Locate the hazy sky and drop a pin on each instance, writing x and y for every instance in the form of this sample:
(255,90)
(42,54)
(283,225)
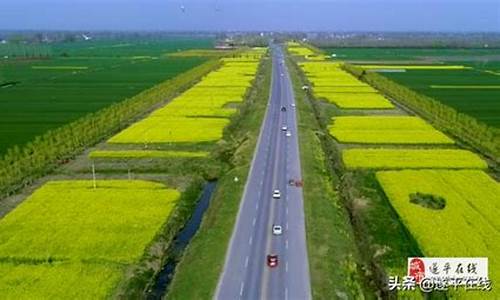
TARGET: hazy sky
(341,15)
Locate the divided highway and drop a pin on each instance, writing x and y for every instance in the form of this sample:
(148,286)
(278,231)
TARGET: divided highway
(246,274)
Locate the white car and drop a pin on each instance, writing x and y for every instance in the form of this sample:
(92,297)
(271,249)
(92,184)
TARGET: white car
(284,128)
(288,134)
(277,230)
(293,104)
(276,194)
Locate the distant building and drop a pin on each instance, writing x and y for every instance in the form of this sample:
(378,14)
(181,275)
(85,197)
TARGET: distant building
(224,47)
(227,44)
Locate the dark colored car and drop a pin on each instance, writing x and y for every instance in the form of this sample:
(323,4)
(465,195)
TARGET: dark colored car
(272,260)
(283,108)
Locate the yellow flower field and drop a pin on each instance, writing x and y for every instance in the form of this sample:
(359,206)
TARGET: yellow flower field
(145,154)
(72,220)
(60,280)
(468,225)
(200,113)
(333,84)
(386,130)
(70,241)
(356,100)
(411,159)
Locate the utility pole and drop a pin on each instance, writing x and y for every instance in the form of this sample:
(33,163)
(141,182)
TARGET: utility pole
(93,176)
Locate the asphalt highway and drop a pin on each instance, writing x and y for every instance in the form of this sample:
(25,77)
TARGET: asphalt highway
(276,160)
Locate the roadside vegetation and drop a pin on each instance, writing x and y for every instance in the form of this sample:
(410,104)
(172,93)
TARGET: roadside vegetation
(333,256)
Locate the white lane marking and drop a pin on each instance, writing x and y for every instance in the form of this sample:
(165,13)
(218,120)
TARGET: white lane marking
(286,266)
(257,206)
(241,288)
(251,239)
(246,263)
(254,220)
(286,225)
(286,244)
(286,293)
(287,210)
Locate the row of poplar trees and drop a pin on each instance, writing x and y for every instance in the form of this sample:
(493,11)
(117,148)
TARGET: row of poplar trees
(20,166)
(477,134)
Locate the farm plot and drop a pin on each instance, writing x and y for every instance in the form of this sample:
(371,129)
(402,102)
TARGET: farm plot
(201,113)
(71,220)
(411,159)
(58,280)
(414,67)
(299,50)
(146,154)
(467,226)
(385,130)
(37,95)
(469,91)
(330,82)
(68,237)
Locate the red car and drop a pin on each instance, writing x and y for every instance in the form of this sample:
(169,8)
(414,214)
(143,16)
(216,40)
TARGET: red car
(272,260)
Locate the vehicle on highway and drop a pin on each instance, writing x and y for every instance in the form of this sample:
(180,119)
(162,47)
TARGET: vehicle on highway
(288,134)
(283,108)
(277,230)
(284,128)
(293,104)
(272,260)
(276,194)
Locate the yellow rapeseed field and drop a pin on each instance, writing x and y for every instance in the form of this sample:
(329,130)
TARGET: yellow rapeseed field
(69,240)
(468,225)
(201,113)
(333,84)
(145,154)
(386,130)
(412,159)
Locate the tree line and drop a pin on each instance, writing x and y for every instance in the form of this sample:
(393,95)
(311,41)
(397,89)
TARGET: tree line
(20,166)
(481,136)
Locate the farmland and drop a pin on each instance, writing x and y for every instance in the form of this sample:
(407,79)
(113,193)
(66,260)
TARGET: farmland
(81,78)
(113,239)
(145,154)
(468,226)
(385,130)
(469,91)
(411,159)
(201,113)
(383,158)
(330,82)
(68,226)
(51,281)
(471,75)
(417,55)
